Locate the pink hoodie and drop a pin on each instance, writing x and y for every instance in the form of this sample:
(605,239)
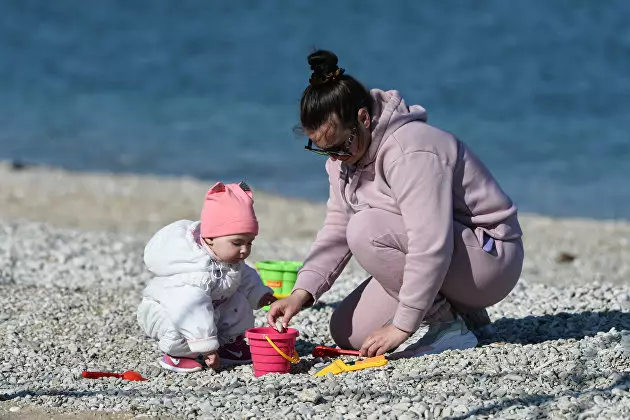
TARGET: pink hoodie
(424,174)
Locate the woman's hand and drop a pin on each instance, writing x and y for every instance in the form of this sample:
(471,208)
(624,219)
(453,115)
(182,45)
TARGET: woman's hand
(286,308)
(212,360)
(382,340)
(267,299)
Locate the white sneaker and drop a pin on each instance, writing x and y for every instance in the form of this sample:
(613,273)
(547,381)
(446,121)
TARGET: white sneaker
(444,335)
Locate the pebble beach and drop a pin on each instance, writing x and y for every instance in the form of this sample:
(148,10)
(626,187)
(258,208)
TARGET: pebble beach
(71,275)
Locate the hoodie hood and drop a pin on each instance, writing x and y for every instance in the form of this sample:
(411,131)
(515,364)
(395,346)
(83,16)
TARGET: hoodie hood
(389,113)
(174,249)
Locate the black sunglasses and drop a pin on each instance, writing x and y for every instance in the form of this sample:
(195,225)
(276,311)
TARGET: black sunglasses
(341,150)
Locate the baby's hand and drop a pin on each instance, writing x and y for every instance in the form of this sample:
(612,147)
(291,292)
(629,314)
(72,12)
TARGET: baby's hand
(267,299)
(212,360)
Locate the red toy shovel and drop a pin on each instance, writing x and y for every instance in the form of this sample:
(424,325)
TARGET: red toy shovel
(130,375)
(323,351)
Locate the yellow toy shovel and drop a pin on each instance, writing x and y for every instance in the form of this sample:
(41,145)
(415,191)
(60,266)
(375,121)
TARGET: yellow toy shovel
(338,366)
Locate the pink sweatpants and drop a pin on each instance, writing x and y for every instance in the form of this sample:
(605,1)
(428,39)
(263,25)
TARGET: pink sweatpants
(378,240)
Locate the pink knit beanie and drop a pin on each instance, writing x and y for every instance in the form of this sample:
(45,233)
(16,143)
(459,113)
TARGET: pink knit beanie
(228,210)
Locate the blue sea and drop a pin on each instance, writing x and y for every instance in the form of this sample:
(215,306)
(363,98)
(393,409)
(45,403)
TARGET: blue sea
(540,89)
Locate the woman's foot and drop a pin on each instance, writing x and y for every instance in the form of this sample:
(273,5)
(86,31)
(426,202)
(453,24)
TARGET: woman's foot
(475,318)
(478,321)
(440,336)
(180,364)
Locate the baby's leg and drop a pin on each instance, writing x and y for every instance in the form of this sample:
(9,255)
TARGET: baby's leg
(235,316)
(156,324)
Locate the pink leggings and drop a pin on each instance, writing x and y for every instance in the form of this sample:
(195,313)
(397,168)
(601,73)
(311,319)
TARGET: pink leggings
(476,278)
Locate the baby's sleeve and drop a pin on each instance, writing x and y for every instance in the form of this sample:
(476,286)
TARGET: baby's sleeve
(252,286)
(192,314)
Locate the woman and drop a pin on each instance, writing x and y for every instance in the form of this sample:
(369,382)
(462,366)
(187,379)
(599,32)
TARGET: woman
(416,208)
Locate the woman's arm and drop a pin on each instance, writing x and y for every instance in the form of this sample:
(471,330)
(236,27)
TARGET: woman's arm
(422,186)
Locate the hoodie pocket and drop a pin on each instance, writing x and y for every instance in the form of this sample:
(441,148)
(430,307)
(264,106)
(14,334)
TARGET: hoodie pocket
(475,238)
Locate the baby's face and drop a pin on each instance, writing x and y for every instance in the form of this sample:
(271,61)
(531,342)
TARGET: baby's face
(232,248)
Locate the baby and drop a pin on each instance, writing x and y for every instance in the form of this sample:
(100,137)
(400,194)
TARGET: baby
(202,297)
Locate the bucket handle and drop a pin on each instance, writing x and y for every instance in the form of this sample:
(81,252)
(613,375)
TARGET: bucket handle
(294,359)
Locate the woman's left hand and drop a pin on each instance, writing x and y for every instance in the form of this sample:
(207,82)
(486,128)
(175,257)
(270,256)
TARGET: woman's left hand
(382,340)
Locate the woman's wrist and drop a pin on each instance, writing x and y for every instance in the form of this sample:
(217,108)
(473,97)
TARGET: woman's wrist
(303,296)
(402,329)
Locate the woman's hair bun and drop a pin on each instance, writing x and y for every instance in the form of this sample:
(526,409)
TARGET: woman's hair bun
(324,66)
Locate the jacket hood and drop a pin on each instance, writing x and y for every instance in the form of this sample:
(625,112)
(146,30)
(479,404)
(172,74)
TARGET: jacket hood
(174,249)
(389,113)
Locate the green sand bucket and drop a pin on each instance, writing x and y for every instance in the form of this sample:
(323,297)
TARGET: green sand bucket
(279,275)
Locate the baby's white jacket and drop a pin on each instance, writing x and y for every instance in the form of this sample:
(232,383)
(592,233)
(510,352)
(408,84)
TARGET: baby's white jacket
(189,282)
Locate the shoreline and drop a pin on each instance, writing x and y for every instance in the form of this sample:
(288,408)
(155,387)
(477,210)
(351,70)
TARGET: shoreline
(558,250)
(131,203)
(22,181)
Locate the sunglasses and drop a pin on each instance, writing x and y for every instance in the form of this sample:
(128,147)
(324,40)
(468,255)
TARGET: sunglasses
(339,151)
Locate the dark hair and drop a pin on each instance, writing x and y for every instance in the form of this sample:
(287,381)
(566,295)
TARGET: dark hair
(331,91)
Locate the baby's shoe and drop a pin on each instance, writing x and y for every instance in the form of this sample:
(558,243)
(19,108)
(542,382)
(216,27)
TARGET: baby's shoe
(180,364)
(236,352)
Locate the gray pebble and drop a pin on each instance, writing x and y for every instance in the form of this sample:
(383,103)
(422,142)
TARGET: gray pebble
(309,395)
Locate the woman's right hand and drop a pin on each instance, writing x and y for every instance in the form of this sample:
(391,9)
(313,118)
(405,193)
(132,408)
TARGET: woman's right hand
(286,308)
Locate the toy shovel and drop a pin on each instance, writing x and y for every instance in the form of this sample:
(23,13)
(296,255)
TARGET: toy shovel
(338,366)
(324,351)
(130,375)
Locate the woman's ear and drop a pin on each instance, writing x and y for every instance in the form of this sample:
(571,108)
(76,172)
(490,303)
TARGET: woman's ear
(364,118)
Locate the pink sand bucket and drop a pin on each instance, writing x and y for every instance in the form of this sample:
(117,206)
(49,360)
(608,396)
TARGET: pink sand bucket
(272,352)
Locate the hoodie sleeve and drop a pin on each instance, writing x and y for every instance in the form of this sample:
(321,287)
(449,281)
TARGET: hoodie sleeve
(191,311)
(422,186)
(330,252)
(252,286)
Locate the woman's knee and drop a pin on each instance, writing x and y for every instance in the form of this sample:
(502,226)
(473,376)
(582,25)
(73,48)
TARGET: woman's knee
(371,230)
(342,322)
(359,230)
(378,241)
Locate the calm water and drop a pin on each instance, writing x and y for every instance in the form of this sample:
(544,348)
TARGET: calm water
(539,89)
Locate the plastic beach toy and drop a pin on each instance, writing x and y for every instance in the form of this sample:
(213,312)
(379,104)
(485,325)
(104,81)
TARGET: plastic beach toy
(272,352)
(130,375)
(323,351)
(338,366)
(279,275)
